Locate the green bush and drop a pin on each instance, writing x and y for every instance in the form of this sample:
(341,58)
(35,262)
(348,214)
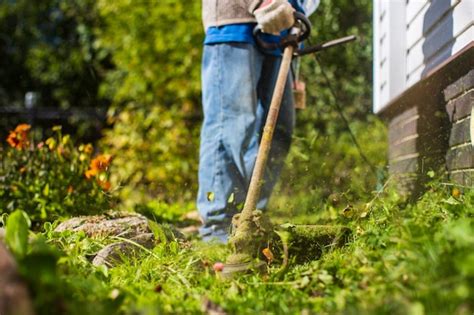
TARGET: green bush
(156,50)
(52,179)
(155,152)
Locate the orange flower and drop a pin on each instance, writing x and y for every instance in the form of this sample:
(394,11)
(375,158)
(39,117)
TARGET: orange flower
(18,138)
(70,189)
(101,162)
(98,165)
(105,185)
(22,128)
(90,173)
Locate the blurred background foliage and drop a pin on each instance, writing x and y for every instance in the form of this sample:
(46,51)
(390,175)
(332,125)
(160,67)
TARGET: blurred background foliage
(49,46)
(155,93)
(324,164)
(141,60)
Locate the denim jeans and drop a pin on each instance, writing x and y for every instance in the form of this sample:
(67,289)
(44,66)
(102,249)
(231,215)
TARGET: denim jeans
(238,83)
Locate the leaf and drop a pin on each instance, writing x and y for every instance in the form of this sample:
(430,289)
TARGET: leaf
(451,201)
(17,230)
(287,226)
(304,282)
(210,196)
(231,198)
(268,254)
(46,190)
(456,193)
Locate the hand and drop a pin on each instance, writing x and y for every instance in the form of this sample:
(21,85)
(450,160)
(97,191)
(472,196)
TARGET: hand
(274,16)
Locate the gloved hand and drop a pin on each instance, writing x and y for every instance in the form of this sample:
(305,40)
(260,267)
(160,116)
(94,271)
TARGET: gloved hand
(274,16)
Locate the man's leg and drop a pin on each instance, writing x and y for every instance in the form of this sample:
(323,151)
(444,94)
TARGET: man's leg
(230,75)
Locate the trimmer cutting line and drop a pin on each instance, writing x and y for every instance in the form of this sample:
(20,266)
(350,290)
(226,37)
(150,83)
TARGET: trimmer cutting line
(252,228)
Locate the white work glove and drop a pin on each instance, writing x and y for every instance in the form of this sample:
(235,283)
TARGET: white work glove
(274,16)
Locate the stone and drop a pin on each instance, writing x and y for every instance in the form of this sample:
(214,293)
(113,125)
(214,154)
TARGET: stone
(123,224)
(132,233)
(116,253)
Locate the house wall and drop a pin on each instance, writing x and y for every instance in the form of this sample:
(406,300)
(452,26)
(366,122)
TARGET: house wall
(459,98)
(411,37)
(430,126)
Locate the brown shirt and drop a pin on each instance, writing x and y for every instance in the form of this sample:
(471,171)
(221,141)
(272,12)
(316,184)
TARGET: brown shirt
(223,12)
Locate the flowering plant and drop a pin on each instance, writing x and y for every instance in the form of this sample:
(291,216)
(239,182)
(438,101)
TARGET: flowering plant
(52,178)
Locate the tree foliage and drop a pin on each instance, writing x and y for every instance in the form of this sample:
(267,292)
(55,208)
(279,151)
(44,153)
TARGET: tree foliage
(48,46)
(156,49)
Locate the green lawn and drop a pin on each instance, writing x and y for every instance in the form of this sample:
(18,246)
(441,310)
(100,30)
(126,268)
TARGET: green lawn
(400,259)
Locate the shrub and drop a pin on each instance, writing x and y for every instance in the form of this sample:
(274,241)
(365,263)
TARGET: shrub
(155,153)
(155,86)
(53,178)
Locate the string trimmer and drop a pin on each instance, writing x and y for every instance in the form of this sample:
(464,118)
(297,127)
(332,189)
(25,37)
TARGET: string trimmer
(251,227)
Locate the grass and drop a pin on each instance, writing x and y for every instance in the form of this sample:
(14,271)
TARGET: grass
(401,259)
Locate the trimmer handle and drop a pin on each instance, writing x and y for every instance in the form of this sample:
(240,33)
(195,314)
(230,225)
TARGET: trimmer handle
(298,34)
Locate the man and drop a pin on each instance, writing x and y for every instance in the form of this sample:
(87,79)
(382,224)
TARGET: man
(237,86)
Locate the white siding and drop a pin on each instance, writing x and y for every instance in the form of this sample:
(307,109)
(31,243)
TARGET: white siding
(389,49)
(417,35)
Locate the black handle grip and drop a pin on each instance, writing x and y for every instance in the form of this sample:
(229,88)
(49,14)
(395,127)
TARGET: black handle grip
(291,39)
(324,46)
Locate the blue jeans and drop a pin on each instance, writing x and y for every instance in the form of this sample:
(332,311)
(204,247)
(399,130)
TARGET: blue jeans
(238,83)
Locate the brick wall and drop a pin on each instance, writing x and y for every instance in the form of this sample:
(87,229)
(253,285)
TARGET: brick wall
(430,128)
(418,140)
(459,98)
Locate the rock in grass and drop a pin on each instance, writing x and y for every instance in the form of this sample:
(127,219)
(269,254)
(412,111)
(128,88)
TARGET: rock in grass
(123,224)
(116,253)
(132,233)
(14,295)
